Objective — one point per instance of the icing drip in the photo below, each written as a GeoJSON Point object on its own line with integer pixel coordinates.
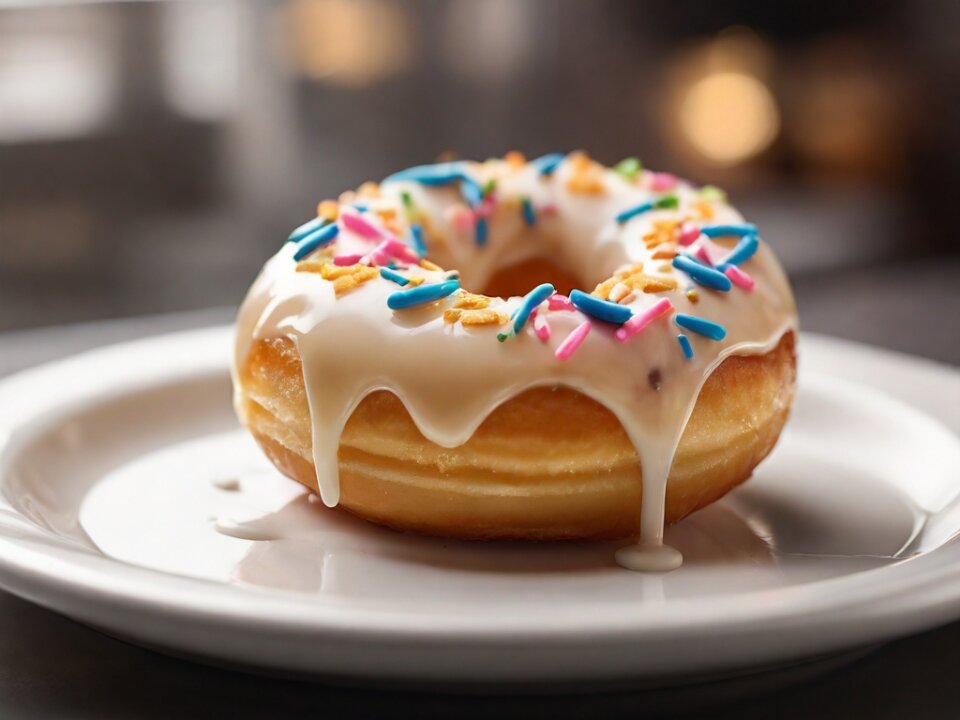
{"type": "Point", "coordinates": [450, 377]}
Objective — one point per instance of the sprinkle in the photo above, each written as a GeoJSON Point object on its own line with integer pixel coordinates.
{"type": "Point", "coordinates": [471, 191]}
{"type": "Point", "coordinates": [641, 320]}
{"type": "Point", "coordinates": [347, 259]}
{"type": "Point", "coordinates": [526, 207]}
{"type": "Point", "coordinates": [461, 217]}
{"type": "Point", "coordinates": [701, 326]}
{"type": "Point", "coordinates": [427, 265]}
{"type": "Point", "coordinates": [692, 295]}
{"type": "Point", "coordinates": [489, 187]}
{"type": "Point", "coordinates": [737, 230]}
{"type": "Point", "coordinates": [541, 328]}
{"type": "Point", "coordinates": [442, 173]}
{"type": "Point", "coordinates": [685, 346]}
{"type": "Point", "coordinates": [702, 274]}
{"type": "Point", "coordinates": [395, 248]}
{"type": "Point", "coordinates": [515, 159]}
{"type": "Point", "coordinates": [712, 193]}
{"type": "Point", "coordinates": [361, 207]}
{"type": "Point", "coordinates": [548, 163]}
{"type": "Point", "coordinates": [470, 300]}
{"type": "Point", "coordinates": [319, 238]}
{"type": "Point", "coordinates": [308, 227]}
{"type": "Point", "coordinates": [570, 344]}
{"type": "Point", "coordinates": [704, 255]}
{"type": "Point", "coordinates": [408, 207]}
{"type": "Point", "coordinates": [328, 209]}
{"type": "Point", "coordinates": [669, 201]}
{"type": "Point", "coordinates": [416, 237]}
{"type": "Point", "coordinates": [360, 226]}
{"type": "Point", "coordinates": [481, 232]}
{"type": "Point", "coordinates": [743, 251]}
{"type": "Point", "coordinates": [662, 181]}
{"type": "Point", "coordinates": [601, 309]}
{"type": "Point", "coordinates": [396, 277]}
{"type": "Point", "coordinates": [549, 209]}
{"type": "Point", "coordinates": [689, 232]}
{"type": "Point", "coordinates": [530, 301]}
{"type": "Point", "coordinates": [739, 278]}
{"type": "Point", "coordinates": [421, 295]}
{"type": "Point", "coordinates": [629, 168]}
{"type": "Point", "coordinates": [559, 302]}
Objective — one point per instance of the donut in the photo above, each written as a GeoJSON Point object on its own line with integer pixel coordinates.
{"type": "Point", "coordinates": [542, 350]}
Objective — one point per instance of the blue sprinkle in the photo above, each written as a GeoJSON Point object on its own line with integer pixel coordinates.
{"type": "Point", "coordinates": [421, 295]}
{"type": "Point", "coordinates": [668, 201]}
{"type": "Point", "coordinates": [685, 346]}
{"type": "Point", "coordinates": [622, 217]}
{"type": "Point", "coordinates": [529, 216]}
{"type": "Point", "coordinates": [471, 191]}
{"type": "Point", "coordinates": [360, 207]}
{"type": "Point", "coordinates": [743, 251]}
{"type": "Point", "coordinates": [702, 274]}
{"type": "Point", "coordinates": [701, 326]}
{"type": "Point", "coordinates": [548, 163]}
{"type": "Point", "coordinates": [391, 275]}
{"type": "Point", "coordinates": [530, 301]}
{"type": "Point", "coordinates": [604, 310]}
{"type": "Point", "coordinates": [419, 244]}
{"type": "Point", "coordinates": [481, 230]}
{"type": "Point", "coordinates": [740, 230]}
{"type": "Point", "coordinates": [317, 239]}
{"type": "Point", "coordinates": [308, 227]}
{"type": "Point", "coordinates": [436, 174]}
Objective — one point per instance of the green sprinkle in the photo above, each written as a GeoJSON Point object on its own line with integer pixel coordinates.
{"type": "Point", "coordinates": [667, 202]}
{"type": "Point", "coordinates": [712, 192]}
{"type": "Point", "coordinates": [503, 337]}
{"type": "Point", "coordinates": [488, 187]}
{"type": "Point", "coordinates": [628, 168]}
{"type": "Point", "coordinates": [409, 208]}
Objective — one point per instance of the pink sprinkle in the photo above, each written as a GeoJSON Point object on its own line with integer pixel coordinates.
{"type": "Point", "coordinates": [704, 255]}
{"type": "Point", "coordinates": [462, 218]}
{"type": "Point", "coordinates": [570, 344]}
{"type": "Point", "coordinates": [347, 259]}
{"type": "Point", "coordinates": [541, 328]}
{"type": "Point", "coordinates": [739, 278]}
{"type": "Point", "coordinates": [688, 233]}
{"type": "Point", "coordinates": [360, 226]}
{"type": "Point", "coordinates": [559, 302]}
{"type": "Point", "coordinates": [486, 207]}
{"type": "Point", "coordinates": [549, 209]}
{"type": "Point", "coordinates": [638, 322]}
{"type": "Point", "coordinates": [662, 181]}
{"type": "Point", "coordinates": [397, 249]}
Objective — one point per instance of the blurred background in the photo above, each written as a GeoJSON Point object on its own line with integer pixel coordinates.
{"type": "Point", "coordinates": [152, 155]}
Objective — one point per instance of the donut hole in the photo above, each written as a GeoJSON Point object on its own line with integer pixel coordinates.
{"type": "Point", "coordinates": [517, 279]}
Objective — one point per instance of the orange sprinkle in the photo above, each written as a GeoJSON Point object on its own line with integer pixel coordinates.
{"type": "Point", "coordinates": [328, 209]}
{"type": "Point", "coordinates": [451, 315]}
{"type": "Point", "coordinates": [470, 300]}
{"type": "Point", "coordinates": [483, 317]}
{"type": "Point", "coordinates": [704, 209]}
{"type": "Point", "coordinates": [665, 253]}
{"type": "Point", "coordinates": [427, 265]}
{"type": "Point", "coordinates": [587, 175]}
{"type": "Point", "coordinates": [515, 159]}
{"type": "Point", "coordinates": [369, 189]}
{"type": "Point", "coordinates": [693, 296]}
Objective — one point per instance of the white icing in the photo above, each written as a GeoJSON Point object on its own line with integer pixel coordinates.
{"type": "Point", "coordinates": [451, 377]}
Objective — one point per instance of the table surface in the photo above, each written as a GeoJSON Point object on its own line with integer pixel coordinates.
{"type": "Point", "coordinates": [54, 667]}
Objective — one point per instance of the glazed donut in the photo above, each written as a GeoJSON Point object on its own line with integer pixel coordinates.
{"type": "Point", "coordinates": [610, 349]}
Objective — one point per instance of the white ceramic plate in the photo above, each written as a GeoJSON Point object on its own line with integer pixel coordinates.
{"type": "Point", "coordinates": [108, 463]}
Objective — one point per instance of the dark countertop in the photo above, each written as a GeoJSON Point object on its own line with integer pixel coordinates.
{"type": "Point", "coordinates": [54, 667]}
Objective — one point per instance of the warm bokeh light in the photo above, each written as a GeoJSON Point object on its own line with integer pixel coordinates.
{"type": "Point", "coordinates": [349, 42]}
{"type": "Point", "coordinates": [729, 117]}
